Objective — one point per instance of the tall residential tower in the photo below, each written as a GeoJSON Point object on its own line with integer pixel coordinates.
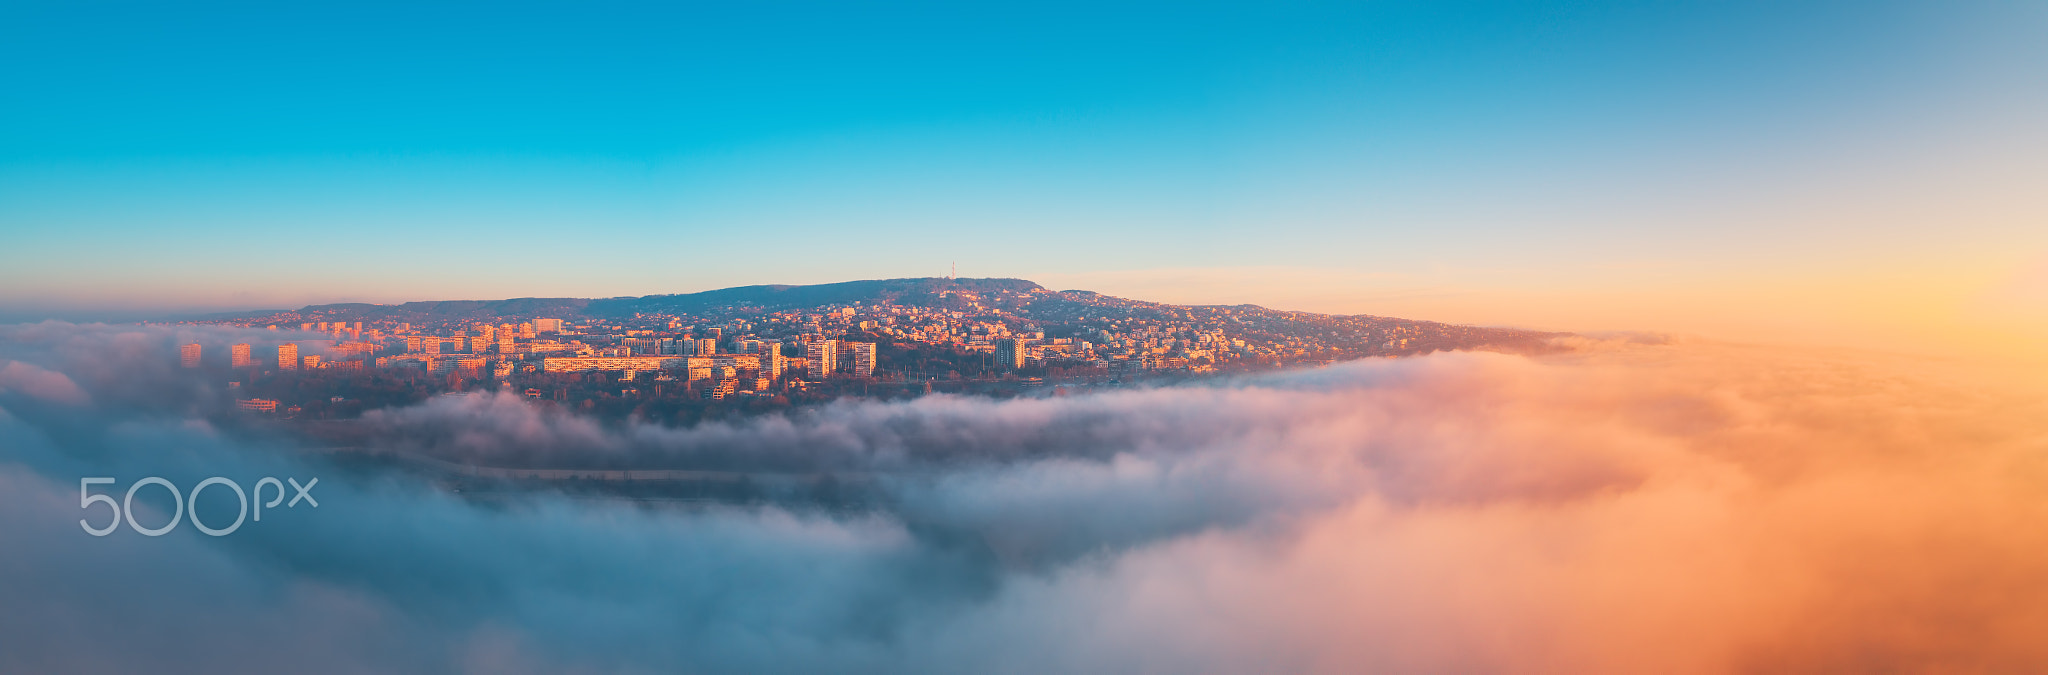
{"type": "Point", "coordinates": [822, 357]}
{"type": "Point", "coordinates": [863, 357]}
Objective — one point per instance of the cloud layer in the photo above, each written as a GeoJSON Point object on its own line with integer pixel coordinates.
{"type": "Point", "coordinates": [1679, 508]}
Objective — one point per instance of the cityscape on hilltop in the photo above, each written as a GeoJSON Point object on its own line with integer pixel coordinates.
{"type": "Point", "coordinates": [690, 357]}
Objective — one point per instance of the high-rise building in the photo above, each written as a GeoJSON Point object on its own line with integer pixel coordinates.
{"type": "Point", "coordinates": [547, 325]}
{"type": "Point", "coordinates": [188, 355]}
{"type": "Point", "coordinates": [1009, 353]}
{"type": "Point", "coordinates": [823, 357]}
{"type": "Point", "coordinates": [772, 361]}
{"type": "Point", "coordinates": [863, 357]}
{"type": "Point", "coordinates": [312, 360]}
{"type": "Point", "coordinates": [238, 356]}
{"type": "Point", "coordinates": [704, 347]}
{"type": "Point", "coordinates": [288, 356]}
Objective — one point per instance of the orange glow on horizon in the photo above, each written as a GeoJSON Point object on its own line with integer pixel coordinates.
{"type": "Point", "coordinates": [1978, 308]}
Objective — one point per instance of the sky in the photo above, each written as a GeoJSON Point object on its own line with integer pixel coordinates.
{"type": "Point", "coordinates": [1864, 173]}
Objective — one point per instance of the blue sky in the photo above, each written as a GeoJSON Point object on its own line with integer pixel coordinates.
{"type": "Point", "coordinates": [222, 156]}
